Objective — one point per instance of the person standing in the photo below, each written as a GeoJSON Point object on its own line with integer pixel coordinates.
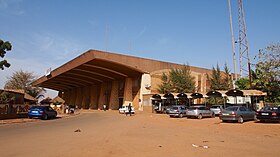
{"type": "Point", "coordinates": [104, 107]}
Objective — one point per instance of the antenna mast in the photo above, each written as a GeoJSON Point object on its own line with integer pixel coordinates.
{"type": "Point", "coordinates": [243, 44]}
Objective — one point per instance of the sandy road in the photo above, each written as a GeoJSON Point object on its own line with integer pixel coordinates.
{"type": "Point", "coordinates": [106, 134]}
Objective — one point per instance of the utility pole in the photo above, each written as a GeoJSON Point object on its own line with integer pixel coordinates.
{"type": "Point", "coordinates": [232, 43]}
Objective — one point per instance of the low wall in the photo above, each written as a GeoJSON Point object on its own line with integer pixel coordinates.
{"type": "Point", "coordinates": [13, 116]}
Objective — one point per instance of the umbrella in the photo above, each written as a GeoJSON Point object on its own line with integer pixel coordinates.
{"type": "Point", "coordinates": [196, 95]}
{"type": "Point", "coordinates": [214, 94]}
{"type": "Point", "coordinates": [182, 95]}
{"type": "Point", "coordinates": [168, 96]}
{"type": "Point", "coordinates": [234, 92]}
{"type": "Point", "coordinates": [156, 96]}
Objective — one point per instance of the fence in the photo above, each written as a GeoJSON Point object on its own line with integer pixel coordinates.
{"type": "Point", "coordinates": [8, 111]}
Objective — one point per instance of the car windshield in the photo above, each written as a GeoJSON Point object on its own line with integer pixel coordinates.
{"type": "Point", "coordinates": [37, 107]}
{"type": "Point", "coordinates": [232, 108]}
{"type": "Point", "coordinates": [215, 106]}
{"type": "Point", "coordinates": [175, 108]}
{"type": "Point", "coordinates": [195, 108]}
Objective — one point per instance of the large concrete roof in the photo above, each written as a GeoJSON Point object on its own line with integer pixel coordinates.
{"type": "Point", "coordinates": [95, 67]}
{"type": "Point", "coordinates": [92, 67]}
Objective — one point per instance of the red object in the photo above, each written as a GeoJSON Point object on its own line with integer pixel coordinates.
{"type": "Point", "coordinates": [41, 112]}
{"type": "Point", "coordinates": [274, 114]}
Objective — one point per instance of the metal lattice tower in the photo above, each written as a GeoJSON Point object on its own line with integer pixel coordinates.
{"type": "Point", "coordinates": [245, 69]}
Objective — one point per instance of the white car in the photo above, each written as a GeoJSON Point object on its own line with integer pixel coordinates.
{"type": "Point", "coordinates": [124, 109]}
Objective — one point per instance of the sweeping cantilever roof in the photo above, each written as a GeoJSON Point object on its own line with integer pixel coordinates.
{"type": "Point", "coordinates": [95, 67]}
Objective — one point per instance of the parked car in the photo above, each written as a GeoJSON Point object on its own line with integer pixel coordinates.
{"type": "Point", "coordinates": [269, 114]}
{"type": "Point", "coordinates": [237, 113]}
{"type": "Point", "coordinates": [124, 109]}
{"type": "Point", "coordinates": [199, 112]}
{"type": "Point", "coordinates": [177, 111]}
{"type": "Point", "coordinates": [217, 109]}
{"type": "Point", "coordinates": [44, 112]}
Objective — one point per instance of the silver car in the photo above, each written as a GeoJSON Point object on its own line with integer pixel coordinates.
{"type": "Point", "coordinates": [217, 109]}
{"type": "Point", "coordinates": [199, 112]}
{"type": "Point", "coordinates": [177, 111]}
{"type": "Point", "coordinates": [237, 113]}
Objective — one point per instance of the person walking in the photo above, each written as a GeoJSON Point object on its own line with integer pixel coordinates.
{"type": "Point", "coordinates": [104, 107]}
{"type": "Point", "coordinates": [129, 109]}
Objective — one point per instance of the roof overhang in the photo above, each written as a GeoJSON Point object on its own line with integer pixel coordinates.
{"type": "Point", "coordinates": [91, 68]}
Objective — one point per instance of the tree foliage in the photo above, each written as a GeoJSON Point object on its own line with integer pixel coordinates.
{"type": "Point", "coordinates": [4, 47]}
{"type": "Point", "coordinates": [6, 97]}
{"type": "Point", "coordinates": [267, 73]}
{"type": "Point", "coordinates": [23, 80]}
{"type": "Point", "coordinates": [177, 80]}
{"type": "Point", "coordinates": [165, 87]}
{"type": "Point", "coordinates": [219, 80]}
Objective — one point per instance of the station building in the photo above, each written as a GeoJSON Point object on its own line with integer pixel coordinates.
{"type": "Point", "coordinates": [96, 78]}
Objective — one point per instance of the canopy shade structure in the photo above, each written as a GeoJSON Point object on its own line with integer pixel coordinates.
{"type": "Point", "coordinates": [156, 96]}
{"type": "Point", "coordinates": [168, 96]}
{"type": "Point", "coordinates": [91, 68]}
{"type": "Point", "coordinates": [234, 93]}
{"type": "Point", "coordinates": [182, 95]}
{"type": "Point", "coordinates": [196, 95]}
{"type": "Point", "coordinates": [214, 94]}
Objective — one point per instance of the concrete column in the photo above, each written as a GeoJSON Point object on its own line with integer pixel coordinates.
{"type": "Point", "coordinates": [127, 91]}
{"type": "Point", "coordinates": [73, 96]}
{"type": "Point", "coordinates": [136, 99]}
{"type": "Point", "coordinates": [66, 97]}
{"type": "Point", "coordinates": [114, 96]}
{"type": "Point", "coordinates": [94, 89]}
{"type": "Point", "coordinates": [79, 97]}
{"type": "Point", "coordinates": [102, 100]}
{"type": "Point", "coordinates": [86, 97]}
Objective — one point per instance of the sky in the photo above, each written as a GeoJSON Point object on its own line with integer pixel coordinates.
{"type": "Point", "coordinates": [47, 34]}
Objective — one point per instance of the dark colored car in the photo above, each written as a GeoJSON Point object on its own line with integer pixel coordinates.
{"type": "Point", "coordinates": [269, 114]}
{"type": "Point", "coordinates": [237, 113]}
{"type": "Point", "coordinates": [44, 112]}
{"type": "Point", "coordinates": [177, 111]}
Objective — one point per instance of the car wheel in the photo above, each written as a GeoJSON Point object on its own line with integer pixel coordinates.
{"type": "Point", "coordinates": [224, 121]}
{"type": "Point", "coordinates": [199, 116]}
{"type": "Point", "coordinates": [255, 118]}
{"type": "Point", "coordinates": [45, 117]}
{"type": "Point", "coordinates": [240, 119]}
{"type": "Point", "coordinates": [29, 117]}
{"type": "Point", "coordinates": [181, 115]}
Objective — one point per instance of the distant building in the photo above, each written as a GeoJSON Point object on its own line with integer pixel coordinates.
{"type": "Point", "coordinates": [96, 78]}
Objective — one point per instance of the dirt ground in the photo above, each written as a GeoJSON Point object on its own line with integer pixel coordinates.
{"type": "Point", "coordinates": [146, 135]}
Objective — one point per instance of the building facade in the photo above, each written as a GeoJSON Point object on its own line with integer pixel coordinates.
{"type": "Point", "coordinates": [96, 78]}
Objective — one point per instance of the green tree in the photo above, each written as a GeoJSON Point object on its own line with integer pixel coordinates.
{"type": "Point", "coordinates": [181, 80]}
{"type": "Point", "coordinates": [165, 87]}
{"type": "Point", "coordinates": [267, 72]}
{"type": "Point", "coordinates": [227, 81]}
{"type": "Point", "coordinates": [23, 80]}
{"type": "Point", "coordinates": [243, 83]}
{"type": "Point", "coordinates": [215, 78]}
{"type": "Point", "coordinates": [220, 80]}
{"type": "Point", "coordinates": [4, 47]}
{"type": "Point", "coordinates": [177, 80]}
